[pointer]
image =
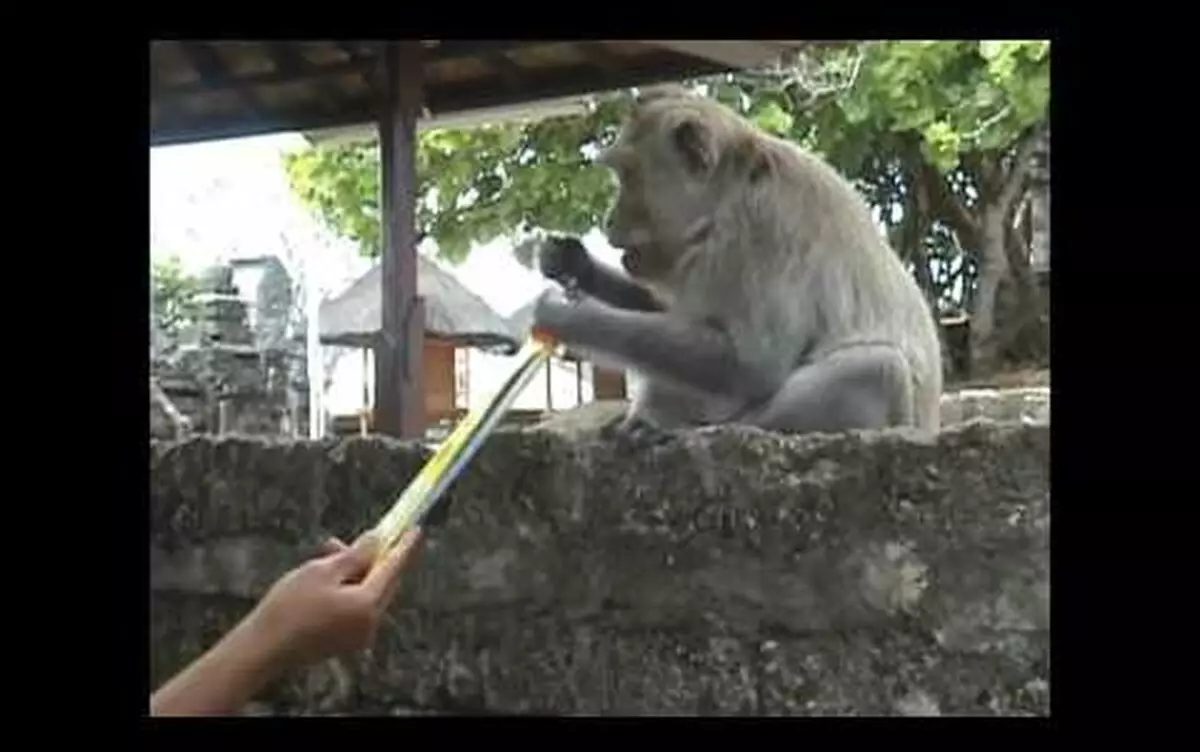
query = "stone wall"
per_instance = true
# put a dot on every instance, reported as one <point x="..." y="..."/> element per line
<point x="1026" y="404"/>
<point x="1023" y="404"/>
<point x="725" y="571"/>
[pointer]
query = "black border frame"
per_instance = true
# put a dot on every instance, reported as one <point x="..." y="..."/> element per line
<point x="103" y="559"/>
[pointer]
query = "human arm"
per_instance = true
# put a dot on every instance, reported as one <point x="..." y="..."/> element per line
<point x="327" y="606"/>
<point x="223" y="679"/>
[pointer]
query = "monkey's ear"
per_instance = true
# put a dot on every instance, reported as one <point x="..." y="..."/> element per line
<point x="694" y="142"/>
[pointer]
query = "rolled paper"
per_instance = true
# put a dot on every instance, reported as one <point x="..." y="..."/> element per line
<point x="453" y="455"/>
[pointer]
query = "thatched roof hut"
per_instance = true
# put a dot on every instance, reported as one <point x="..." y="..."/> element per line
<point x="452" y="312"/>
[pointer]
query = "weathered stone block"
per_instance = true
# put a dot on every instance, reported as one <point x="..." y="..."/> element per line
<point x="901" y="672"/>
<point x="725" y="571"/>
<point x="1029" y="404"/>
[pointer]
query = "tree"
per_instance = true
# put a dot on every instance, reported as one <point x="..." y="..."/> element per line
<point x="474" y="185"/>
<point x="941" y="136"/>
<point x="174" y="292"/>
<point x="938" y="136"/>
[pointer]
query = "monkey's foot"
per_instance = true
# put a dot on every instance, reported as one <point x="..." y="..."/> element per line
<point x="635" y="431"/>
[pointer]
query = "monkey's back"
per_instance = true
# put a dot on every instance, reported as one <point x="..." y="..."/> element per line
<point x="867" y="294"/>
<point x="797" y="268"/>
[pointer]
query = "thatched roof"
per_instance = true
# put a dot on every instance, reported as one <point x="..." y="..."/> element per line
<point x="452" y="312"/>
<point x="202" y="90"/>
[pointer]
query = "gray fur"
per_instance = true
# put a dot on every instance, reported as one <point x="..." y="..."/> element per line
<point x="760" y="290"/>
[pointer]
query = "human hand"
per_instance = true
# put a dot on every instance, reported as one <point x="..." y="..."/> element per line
<point x="330" y="605"/>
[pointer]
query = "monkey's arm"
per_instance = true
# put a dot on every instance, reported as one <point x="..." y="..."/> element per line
<point x="662" y="344"/>
<point x="610" y="286"/>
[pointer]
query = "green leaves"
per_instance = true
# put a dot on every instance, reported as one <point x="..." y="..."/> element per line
<point x="174" y="295"/>
<point x="942" y="144"/>
<point x="771" y="117"/>
<point x="341" y="186"/>
<point x="473" y="184"/>
<point x="952" y="96"/>
<point x="930" y="100"/>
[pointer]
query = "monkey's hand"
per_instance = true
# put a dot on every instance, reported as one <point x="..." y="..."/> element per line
<point x="564" y="260"/>
<point x="554" y="312"/>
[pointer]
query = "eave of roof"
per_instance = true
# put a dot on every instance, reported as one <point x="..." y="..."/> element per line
<point x="207" y="91"/>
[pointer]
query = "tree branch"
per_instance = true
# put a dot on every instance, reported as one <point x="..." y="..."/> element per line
<point x="932" y="187"/>
<point x="954" y="211"/>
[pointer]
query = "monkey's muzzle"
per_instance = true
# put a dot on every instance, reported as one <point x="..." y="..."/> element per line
<point x="644" y="262"/>
<point x="631" y="261"/>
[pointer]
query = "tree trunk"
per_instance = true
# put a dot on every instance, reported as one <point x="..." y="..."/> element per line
<point x="993" y="267"/>
<point x="1022" y="329"/>
<point x="1039" y="206"/>
<point x="916" y="227"/>
<point x="997" y="209"/>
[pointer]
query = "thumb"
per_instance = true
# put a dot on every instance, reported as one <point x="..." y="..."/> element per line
<point x="356" y="560"/>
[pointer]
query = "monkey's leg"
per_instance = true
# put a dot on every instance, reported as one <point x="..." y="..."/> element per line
<point x="693" y="356"/>
<point x="860" y="387"/>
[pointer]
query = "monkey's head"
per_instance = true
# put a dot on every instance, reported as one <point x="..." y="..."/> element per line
<point x="677" y="158"/>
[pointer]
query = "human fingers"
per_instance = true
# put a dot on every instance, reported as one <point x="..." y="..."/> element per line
<point x="380" y="584"/>
<point x="354" y="561"/>
<point x="331" y="546"/>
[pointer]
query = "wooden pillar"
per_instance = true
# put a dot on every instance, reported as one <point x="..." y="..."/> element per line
<point x="399" y="403"/>
<point x="364" y="410"/>
<point x="607" y="384"/>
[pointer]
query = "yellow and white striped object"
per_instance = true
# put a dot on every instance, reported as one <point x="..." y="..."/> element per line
<point x="460" y="446"/>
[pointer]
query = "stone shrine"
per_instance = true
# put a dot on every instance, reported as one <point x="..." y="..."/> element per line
<point x="226" y="376"/>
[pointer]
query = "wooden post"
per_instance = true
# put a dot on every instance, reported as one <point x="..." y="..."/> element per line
<point x="364" y="410"/>
<point x="399" y="404"/>
<point x="607" y="384"/>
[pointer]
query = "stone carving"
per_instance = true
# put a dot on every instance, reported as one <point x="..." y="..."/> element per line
<point x="279" y="329"/>
<point x="224" y="376"/>
<point x="167" y="421"/>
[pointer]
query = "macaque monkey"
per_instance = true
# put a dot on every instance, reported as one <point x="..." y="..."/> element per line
<point x="757" y="287"/>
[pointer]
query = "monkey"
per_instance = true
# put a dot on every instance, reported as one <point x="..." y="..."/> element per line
<point x="756" y="287"/>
